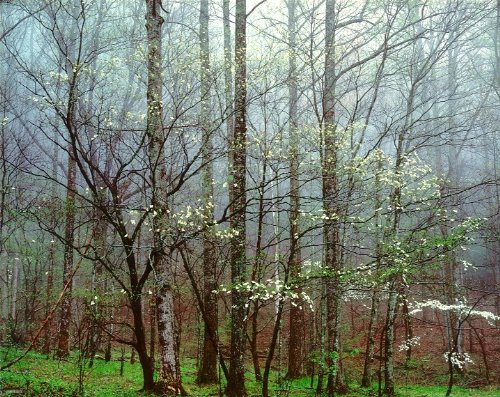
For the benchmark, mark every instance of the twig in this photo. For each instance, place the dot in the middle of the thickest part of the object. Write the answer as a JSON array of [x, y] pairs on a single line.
[[52, 311]]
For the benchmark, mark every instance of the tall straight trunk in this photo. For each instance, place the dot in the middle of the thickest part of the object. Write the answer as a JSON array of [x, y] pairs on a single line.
[[69, 230], [451, 271], [100, 233], [330, 197], [100, 226], [228, 85], [496, 43], [257, 273], [375, 301], [236, 381], [228, 90], [408, 326], [4, 276], [63, 344], [280, 302], [389, 341], [152, 326], [366, 380], [14, 291], [296, 340], [169, 378], [321, 340], [208, 368], [394, 280], [47, 343], [111, 316]]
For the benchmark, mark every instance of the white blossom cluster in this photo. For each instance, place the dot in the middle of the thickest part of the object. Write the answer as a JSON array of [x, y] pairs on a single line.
[[94, 300], [459, 360], [271, 289], [460, 308], [407, 344]]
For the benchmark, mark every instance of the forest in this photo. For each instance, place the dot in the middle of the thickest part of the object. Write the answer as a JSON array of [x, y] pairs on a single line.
[[250, 198]]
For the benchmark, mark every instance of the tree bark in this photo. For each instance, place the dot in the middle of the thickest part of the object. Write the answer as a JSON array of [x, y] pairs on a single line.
[[331, 209], [169, 379], [366, 380], [69, 230], [257, 274], [140, 341], [236, 381], [208, 368], [72, 70], [228, 87], [296, 340], [47, 343], [389, 341], [375, 301]]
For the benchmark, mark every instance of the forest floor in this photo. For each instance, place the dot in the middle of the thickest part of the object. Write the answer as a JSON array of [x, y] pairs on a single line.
[[36, 375]]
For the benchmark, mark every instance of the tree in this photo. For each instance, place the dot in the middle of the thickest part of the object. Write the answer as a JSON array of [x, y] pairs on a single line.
[[236, 381], [297, 317], [72, 65], [208, 369], [169, 381]]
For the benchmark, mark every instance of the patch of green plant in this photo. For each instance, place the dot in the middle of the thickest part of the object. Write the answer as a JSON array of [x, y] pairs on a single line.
[[36, 375]]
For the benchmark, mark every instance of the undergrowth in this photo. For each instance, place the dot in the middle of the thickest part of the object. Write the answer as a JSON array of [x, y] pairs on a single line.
[[38, 375]]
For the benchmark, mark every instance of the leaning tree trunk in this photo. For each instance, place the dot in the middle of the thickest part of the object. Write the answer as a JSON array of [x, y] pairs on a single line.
[[208, 368], [169, 379], [236, 381], [135, 301]]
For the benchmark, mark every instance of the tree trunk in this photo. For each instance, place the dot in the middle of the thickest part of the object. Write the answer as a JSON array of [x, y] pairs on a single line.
[[152, 326], [65, 313], [330, 197], [208, 368], [496, 43], [366, 381], [47, 343], [140, 342], [169, 379], [236, 381], [228, 87], [296, 341], [100, 234], [63, 344], [375, 302], [257, 273], [389, 341], [272, 348]]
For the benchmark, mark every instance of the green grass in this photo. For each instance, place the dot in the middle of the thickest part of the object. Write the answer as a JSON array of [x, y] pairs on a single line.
[[435, 391], [39, 376], [36, 375]]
